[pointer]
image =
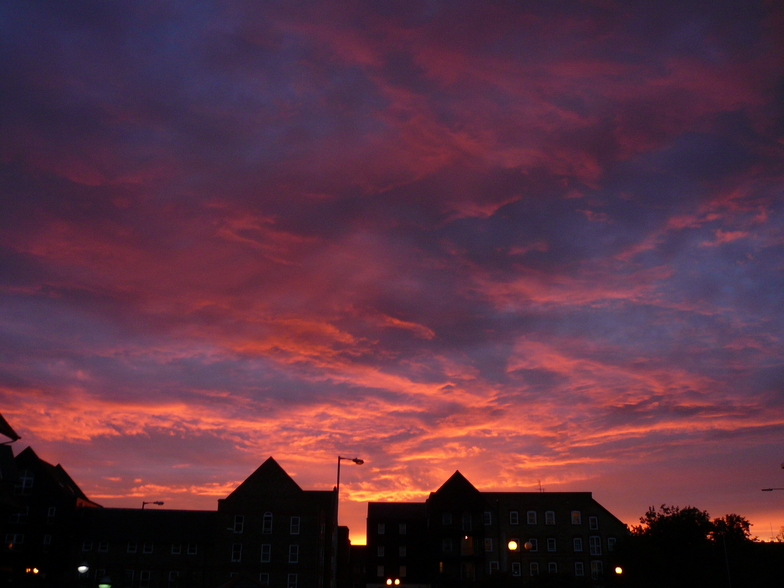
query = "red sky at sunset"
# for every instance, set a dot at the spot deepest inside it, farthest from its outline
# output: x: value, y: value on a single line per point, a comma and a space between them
x: 538, y: 242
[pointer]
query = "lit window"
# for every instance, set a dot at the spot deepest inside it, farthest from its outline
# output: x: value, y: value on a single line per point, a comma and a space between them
x: 593, y: 523
x: 401, y: 551
x: 293, y: 553
x: 578, y: 544
x: 514, y: 518
x: 380, y: 551
x: 579, y: 569
x: 551, y: 544
x: 176, y: 548
x: 531, y: 517
x: 549, y: 517
x: 236, y: 552
x: 534, y: 568
x: 294, y: 526
x: 576, y: 517
x: 595, y: 545
x: 552, y: 568
x: 382, y: 528
x: 292, y: 581
x: 266, y: 523
x: 266, y: 552
x: 14, y: 541
x: 239, y: 523
x: 401, y: 529
x: 488, y: 544
x: 516, y: 569
x: 596, y: 569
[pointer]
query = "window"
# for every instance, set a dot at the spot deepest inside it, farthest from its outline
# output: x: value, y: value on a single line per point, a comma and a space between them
x: 534, y: 545
x: 266, y: 523
x: 531, y: 517
x: 192, y: 548
x: 494, y: 567
x: 50, y: 512
x: 294, y: 526
x: 292, y: 581
x: 147, y: 548
x: 579, y: 568
x: 87, y: 546
x: 593, y: 523
x: 176, y: 548
x: 578, y: 544
x: 144, y: 579
x: 516, y: 569
x: 239, y: 523
x: 551, y: 544
x: 467, y: 545
x: 264, y: 579
x: 380, y: 551
x: 21, y: 516
x: 401, y: 529
x: 595, y: 545
x: 401, y: 551
x: 466, y: 521
x: 487, y: 518
x: 173, y: 577
x: 549, y: 517
x: 47, y: 539
x: 266, y: 552
x: 534, y: 568
x: 293, y: 553
x: 128, y: 578
x: 552, y: 568
x: 402, y: 573
x: 446, y: 544
x: 236, y: 552
x: 446, y: 518
x: 513, y: 517
x: 382, y: 528
x: 488, y: 544
x: 596, y: 569
x: 380, y: 571
x: 131, y: 547
x: 610, y: 543
x: 576, y: 518
x: 24, y: 486
x: 14, y: 541
x: 103, y: 546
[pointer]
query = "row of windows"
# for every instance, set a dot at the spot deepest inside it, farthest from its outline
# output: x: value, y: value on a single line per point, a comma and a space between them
x: 401, y: 551
x: 531, y: 518
x: 552, y: 568
x: 466, y: 545
x: 266, y: 524
x: 381, y: 571
x: 22, y: 515
x: 382, y: 529
x: 266, y: 553
x: 176, y: 548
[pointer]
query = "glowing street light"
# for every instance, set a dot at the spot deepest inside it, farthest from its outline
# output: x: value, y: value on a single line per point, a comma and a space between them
x: 618, y: 570
x: 391, y: 582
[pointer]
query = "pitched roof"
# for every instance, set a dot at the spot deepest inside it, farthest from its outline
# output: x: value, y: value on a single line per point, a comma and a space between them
x: 7, y: 430
x: 457, y: 491
x: 269, y: 479
x: 28, y: 458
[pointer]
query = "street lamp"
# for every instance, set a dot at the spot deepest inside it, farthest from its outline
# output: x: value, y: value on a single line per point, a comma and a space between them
x: 357, y: 461
x: 771, y: 489
x: 393, y: 582
x: 158, y: 502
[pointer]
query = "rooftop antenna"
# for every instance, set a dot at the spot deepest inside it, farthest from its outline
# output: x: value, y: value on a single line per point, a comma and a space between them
x: 540, y: 486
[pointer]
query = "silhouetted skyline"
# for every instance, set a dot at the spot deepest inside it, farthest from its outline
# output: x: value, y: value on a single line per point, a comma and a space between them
x: 536, y: 242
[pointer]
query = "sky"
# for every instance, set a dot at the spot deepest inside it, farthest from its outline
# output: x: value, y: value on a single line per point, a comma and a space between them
x: 540, y: 243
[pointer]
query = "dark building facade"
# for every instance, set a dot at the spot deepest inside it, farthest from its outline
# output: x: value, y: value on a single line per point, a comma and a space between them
x: 463, y: 537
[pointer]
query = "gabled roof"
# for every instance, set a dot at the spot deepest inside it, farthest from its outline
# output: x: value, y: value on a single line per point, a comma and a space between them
x: 7, y: 430
x: 269, y: 480
x: 29, y: 459
x: 458, y: 491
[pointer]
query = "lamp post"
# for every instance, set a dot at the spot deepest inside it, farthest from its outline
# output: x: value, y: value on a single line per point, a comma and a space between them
x: 357, y: 461
x: 158, y: 502
x: 771, y: 489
